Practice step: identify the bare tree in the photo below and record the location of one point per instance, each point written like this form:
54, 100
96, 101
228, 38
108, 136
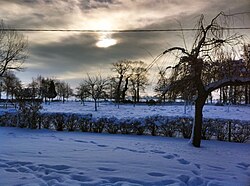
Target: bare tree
63, 89
122, 68
161, 83
11, 84
196, 65
96, 87
139, 78
13, 49
82, 92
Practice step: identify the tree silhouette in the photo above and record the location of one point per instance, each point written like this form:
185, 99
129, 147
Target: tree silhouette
13, 49
51, 93
202, 68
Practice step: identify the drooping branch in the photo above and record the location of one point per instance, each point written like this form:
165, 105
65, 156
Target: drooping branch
184, 51
234, 81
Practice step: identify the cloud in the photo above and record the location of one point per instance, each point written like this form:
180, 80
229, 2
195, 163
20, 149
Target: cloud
70, 55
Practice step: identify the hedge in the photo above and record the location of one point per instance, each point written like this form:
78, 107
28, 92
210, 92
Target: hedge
220, 129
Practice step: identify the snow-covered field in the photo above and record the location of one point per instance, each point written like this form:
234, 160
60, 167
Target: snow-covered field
42, 157
46, 157
108, 109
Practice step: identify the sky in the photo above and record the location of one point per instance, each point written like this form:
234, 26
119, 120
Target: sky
69, 56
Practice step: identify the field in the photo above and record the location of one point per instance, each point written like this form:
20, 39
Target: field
46, 157
108, 109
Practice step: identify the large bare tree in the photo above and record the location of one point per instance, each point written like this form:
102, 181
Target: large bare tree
138, 78
13, 49
122, 68
202, 68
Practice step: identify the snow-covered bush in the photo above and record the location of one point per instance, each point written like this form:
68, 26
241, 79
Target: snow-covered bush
169, 128
8, 120
185, 126
208, 129
240, 133
125, 126
84, 123
59, 121
221, 130
99, 124
138, 126
230, 130
29, 114
151, 124
71, 122
47, 120
112, 126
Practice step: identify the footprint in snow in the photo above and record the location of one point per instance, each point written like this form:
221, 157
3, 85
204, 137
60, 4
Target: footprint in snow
216, 167
157, 151
198, 165
80, 178
243, 165
18, 163
183, 161
80, 141
3, 165
11, 170
102, 145
93, 142
156, 174
183, 178
196, 172
55, 167
106, 169
169, 156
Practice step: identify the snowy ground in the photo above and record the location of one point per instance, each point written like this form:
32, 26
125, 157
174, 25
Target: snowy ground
40, 157
109, 109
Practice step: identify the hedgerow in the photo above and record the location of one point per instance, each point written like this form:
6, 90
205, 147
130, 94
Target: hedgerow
220, 129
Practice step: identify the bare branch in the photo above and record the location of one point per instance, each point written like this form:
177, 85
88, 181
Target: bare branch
176, 48
234, 81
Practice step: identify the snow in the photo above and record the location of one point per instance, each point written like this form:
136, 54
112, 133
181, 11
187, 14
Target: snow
45, 157
108, 109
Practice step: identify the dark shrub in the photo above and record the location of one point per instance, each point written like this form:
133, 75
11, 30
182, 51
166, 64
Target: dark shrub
71, 122
84, 123
59, 121
185, 125
138, 127
240, 133
99, 124
29, 114
112, 125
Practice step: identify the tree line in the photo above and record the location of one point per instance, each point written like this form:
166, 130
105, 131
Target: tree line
130, 79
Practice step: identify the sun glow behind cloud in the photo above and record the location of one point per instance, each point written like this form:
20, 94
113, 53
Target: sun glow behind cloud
106, 42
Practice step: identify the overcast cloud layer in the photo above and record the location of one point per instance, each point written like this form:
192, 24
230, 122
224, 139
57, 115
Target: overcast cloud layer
69, 56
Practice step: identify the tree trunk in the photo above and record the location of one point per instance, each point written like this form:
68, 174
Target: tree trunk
235, 94
224, 93
221, 95
118, 90
95, 104
125, 89
246, 95
196, 136
137, 92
